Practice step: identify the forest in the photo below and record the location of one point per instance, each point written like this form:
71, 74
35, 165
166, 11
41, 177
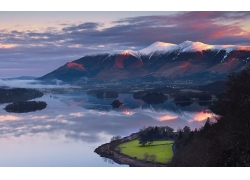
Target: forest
225, 142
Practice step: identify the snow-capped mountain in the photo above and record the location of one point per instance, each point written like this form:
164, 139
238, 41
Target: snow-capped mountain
159, 60
157, 47
186, 46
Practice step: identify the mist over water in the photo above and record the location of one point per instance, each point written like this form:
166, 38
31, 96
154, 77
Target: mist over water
15, 83
74, 124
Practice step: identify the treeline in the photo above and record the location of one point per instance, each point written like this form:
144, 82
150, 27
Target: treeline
164, 90
189, 96
150, 134
99, 93
182, 98
225, 142
214, 87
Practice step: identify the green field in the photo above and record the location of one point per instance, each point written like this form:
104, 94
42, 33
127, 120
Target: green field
162, 149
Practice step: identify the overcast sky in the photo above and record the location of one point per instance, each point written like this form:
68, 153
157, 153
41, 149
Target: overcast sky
35, 43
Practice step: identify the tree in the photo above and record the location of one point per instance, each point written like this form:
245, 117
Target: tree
147, 136
151, 134
186, 129
146, 156
143, 129
152, 158
227, 141
143, 139
207, 124
180, 133
115, 138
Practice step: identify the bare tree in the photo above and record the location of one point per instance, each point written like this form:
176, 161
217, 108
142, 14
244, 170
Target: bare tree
115, 138
152, 158
146, 155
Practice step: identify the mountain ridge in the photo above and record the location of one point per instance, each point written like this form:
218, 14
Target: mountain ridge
186, 46
159, 60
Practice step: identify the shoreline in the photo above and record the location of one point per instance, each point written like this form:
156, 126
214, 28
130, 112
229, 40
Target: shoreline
108, 151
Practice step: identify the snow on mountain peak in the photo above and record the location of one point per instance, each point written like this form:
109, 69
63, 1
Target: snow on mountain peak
131, 52
189, 46
157, 46
186, 46
161, 44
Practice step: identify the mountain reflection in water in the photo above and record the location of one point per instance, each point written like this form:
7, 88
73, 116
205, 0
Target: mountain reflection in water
73, 125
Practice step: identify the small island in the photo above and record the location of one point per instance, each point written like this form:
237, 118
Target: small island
159, 93
101, 94
116, 103
18, 94
24, 107
154, 98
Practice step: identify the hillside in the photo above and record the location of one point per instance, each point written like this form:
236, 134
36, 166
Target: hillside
225, 142
188, 60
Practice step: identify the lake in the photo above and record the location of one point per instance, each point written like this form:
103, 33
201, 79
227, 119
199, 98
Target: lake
66, 133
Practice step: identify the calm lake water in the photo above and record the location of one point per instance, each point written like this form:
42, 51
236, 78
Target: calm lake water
73, 125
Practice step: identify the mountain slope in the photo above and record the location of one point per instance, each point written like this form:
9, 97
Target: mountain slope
187, 60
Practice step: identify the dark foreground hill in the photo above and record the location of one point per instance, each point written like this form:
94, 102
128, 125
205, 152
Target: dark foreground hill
226, 142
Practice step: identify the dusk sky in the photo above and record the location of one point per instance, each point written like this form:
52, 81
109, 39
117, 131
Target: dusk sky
35, 43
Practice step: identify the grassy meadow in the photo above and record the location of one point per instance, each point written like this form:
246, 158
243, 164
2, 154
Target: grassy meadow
162, 149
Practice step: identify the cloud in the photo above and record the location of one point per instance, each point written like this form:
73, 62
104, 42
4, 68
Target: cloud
78, 114
84, 26
31, 84
52, 47
9, 118
5, 46
167, 118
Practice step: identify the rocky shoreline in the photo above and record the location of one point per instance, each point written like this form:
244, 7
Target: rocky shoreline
108, 151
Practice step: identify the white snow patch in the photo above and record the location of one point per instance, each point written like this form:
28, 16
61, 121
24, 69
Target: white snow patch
157, 46
186, 46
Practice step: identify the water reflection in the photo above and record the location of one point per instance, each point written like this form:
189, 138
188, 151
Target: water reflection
9, 118
85, 117
167, 118
183, 104
78, 117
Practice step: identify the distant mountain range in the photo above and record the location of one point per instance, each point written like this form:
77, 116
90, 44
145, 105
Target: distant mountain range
20, 78
188, 60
